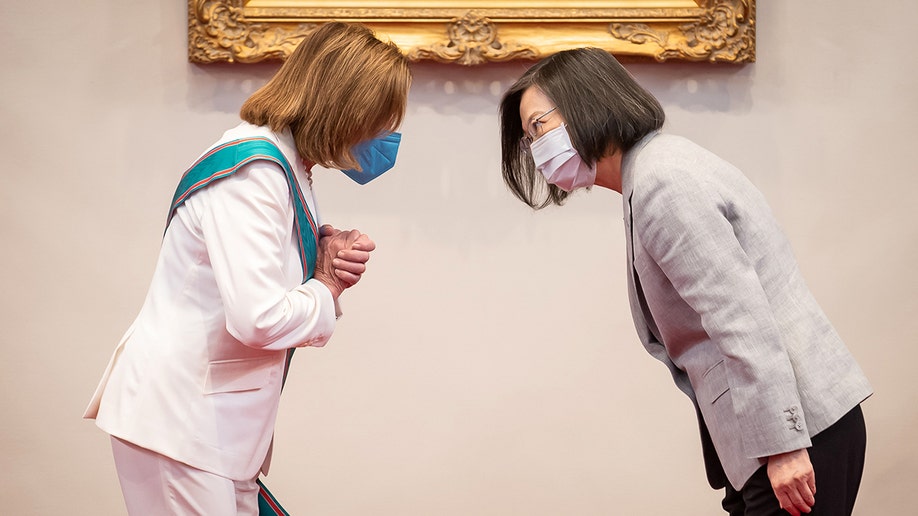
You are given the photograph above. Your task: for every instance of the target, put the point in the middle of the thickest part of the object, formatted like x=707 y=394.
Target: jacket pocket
x=241 y=374
x=713 y=383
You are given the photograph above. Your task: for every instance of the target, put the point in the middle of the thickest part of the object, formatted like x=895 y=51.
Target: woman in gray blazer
x=715 y=291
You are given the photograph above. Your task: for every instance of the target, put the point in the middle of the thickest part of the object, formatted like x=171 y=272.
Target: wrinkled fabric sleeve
x=247 y=226
x=686 y=228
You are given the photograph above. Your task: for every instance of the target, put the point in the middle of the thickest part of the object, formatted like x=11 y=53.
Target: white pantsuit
x=197 y=377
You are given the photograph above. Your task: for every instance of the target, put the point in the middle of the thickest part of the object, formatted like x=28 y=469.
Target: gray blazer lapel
x=638 y=311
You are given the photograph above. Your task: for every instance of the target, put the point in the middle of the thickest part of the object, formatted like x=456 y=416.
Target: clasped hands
x=342 y=258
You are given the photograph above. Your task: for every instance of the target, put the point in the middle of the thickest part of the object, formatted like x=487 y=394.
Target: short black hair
x=605 y=108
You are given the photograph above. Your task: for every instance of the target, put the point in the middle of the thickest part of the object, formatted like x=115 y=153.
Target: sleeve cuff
x=327 y=312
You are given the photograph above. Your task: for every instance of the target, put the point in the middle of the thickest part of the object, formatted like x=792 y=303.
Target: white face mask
x=557 y=160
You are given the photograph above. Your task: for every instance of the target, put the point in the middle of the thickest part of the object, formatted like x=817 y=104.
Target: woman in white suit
x=716 y=294
x=244 y=276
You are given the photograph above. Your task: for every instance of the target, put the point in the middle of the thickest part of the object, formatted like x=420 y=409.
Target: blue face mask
x=375 y=157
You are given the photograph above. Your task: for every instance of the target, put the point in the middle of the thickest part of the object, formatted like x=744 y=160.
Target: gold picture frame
x=472 y=32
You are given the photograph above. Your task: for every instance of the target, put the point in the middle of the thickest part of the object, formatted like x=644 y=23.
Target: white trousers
x=155 y=485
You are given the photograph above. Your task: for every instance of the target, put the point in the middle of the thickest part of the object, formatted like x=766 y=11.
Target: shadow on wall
x=447 y=88
x=699 y=87
x=695 y=87
x=223 y=87
x=455 y=89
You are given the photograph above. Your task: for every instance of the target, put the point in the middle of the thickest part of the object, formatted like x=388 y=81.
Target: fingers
x=350 y=237
x=343 y=242
x=793 y=481
x=798 y=495
x=364 y=243
x=353 y=255
x=354 y=267
x=346 y=252
x=335 y=240
x=328 y=230
x=796 y=500
x=792 y=511
x=348 y=278
x=350 y=265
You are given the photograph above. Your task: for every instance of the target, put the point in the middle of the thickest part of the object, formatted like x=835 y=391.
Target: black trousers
x=837 y=456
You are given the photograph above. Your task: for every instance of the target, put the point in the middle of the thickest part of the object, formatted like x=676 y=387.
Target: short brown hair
x=604 y=107
x=340 y=86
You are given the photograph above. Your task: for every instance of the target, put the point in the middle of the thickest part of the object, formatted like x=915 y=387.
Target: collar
x=628 y=161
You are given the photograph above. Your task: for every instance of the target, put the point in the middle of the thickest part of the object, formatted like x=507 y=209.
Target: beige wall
x=487 y=364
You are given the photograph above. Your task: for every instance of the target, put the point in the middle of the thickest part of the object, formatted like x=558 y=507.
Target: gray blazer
x=717 y=296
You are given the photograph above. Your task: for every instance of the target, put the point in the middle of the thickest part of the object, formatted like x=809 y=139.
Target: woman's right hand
x=342 y=257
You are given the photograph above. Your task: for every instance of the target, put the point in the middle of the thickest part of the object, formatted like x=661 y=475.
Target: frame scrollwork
x=247 y=31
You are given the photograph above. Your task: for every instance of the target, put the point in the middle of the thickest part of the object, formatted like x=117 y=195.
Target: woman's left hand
x=793 y=481
x=350 y=261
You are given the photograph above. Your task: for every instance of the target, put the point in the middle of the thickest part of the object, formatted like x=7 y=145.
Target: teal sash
x=222 y=161
x=267 y=504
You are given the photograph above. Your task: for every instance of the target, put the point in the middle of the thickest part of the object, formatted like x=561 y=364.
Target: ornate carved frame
x=472 y=32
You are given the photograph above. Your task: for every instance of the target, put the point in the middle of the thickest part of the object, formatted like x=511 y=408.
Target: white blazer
x=717 y=296
x=197 y=376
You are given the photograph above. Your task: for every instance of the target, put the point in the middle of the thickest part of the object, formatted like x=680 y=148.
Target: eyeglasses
x=534 y=130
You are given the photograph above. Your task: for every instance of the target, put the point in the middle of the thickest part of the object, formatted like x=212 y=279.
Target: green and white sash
x=223 y=161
